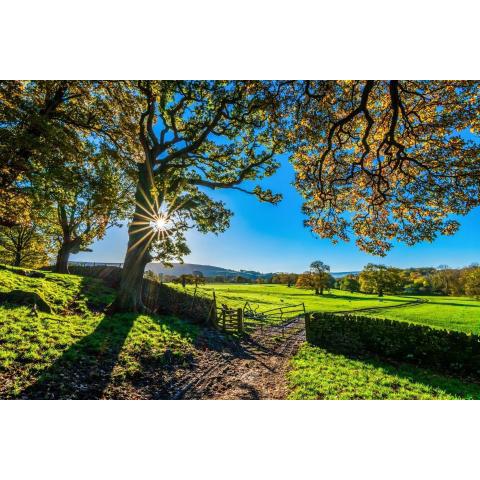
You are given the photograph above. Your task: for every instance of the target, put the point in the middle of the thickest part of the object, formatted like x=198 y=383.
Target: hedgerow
x=454 y=352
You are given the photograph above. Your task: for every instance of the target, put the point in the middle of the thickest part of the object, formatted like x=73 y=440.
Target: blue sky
x=272 y=238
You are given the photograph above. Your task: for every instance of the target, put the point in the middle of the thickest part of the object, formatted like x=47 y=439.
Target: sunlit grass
x=318 y=374
x=75 y=351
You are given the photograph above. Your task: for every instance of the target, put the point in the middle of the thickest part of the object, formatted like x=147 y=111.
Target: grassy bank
x=79 y=352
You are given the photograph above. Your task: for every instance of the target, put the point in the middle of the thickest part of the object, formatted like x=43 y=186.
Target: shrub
x=454 y=352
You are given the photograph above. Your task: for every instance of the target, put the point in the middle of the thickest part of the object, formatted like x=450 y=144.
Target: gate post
x=240 y=320
x=307 y=324
x=224 y=315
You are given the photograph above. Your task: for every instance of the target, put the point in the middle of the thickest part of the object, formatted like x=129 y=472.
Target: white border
x=236 y=39
x=53 y=39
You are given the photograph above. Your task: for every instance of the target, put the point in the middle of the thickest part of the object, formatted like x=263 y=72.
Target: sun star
x=159 y=223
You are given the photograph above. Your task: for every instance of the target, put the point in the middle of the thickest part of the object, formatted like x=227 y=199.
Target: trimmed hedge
x=454 y=352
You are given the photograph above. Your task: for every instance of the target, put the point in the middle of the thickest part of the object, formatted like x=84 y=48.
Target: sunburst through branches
x=154 y=223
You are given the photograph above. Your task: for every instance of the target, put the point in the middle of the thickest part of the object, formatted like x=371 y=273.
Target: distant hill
x=212 y=271
x=207 y=270
x=342 y=274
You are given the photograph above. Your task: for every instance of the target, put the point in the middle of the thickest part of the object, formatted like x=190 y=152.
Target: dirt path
x=253 y=368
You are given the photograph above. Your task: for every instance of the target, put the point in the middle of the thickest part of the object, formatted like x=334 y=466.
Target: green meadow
x=451 y=313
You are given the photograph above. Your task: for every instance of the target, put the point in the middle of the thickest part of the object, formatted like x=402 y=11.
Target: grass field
x=269 y=296
x=76 y=352
x=318 y=374
x=451 y=313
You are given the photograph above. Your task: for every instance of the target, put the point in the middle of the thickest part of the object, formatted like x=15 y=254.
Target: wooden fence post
x=240 y=320
x=224 y=315
x=307 y=325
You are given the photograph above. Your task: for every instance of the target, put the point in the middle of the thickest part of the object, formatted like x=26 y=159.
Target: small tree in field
x=306 y=281
x=313 y=281
x=198 y=277
x=321 y=275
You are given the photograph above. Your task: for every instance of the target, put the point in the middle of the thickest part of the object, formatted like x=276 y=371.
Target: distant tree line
x=382 y=279
x=373 y=279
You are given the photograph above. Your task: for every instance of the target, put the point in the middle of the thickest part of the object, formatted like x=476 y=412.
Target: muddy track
x=251 y=368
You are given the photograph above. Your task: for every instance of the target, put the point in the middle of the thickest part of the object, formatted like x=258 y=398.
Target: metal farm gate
x=276 y=323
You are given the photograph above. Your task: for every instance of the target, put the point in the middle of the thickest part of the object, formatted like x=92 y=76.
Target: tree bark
x=18 y=259
x=61 y=265
x=129 y=296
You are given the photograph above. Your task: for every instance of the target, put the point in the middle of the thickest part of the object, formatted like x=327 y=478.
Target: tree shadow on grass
x=84 y=370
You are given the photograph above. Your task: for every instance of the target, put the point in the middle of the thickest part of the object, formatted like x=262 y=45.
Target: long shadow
x=453 y=304
x=84 y=370
x=459 y=386
x=359 y=299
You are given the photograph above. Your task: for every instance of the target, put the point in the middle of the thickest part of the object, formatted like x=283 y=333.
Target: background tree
x=447 y=281
x=393 y=154
x=198 y=277
x=28 y=243
x=472 y=282
x=89 y=195
x=321 y=275
x=380 y=279
x=25 y=246
x=41 y=117
x=288 y=279
x=195 y=135
x=350 y=283
x=307 y=281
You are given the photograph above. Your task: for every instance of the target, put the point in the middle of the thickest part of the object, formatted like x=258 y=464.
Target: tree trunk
x=129 y=296
x=316 y=291
x=18 y=258
x=321 y=290
x=61 y=266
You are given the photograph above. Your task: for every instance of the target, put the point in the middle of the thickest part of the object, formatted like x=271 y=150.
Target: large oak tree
x=195 y=135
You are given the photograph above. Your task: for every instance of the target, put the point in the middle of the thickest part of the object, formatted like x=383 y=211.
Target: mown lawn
x=318 y=374
x=79 y=352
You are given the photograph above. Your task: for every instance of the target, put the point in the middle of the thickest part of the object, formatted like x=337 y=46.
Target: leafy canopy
x=387 y=160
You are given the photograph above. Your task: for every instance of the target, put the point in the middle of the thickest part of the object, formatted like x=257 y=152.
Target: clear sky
x=272 y=238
